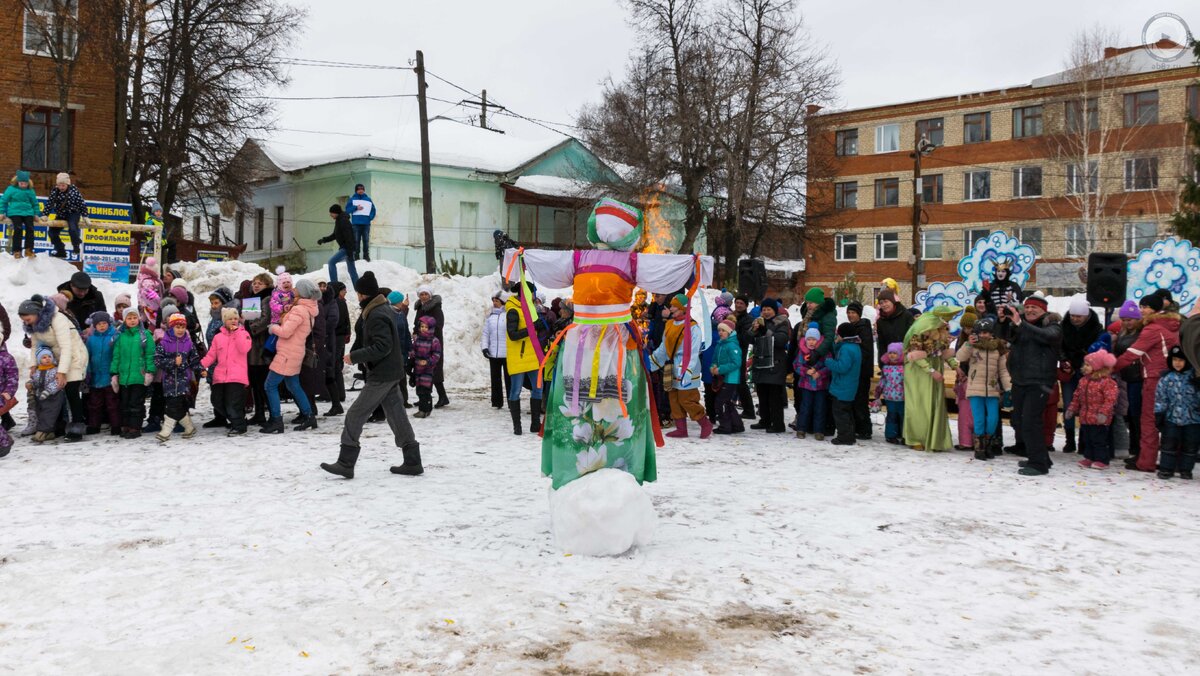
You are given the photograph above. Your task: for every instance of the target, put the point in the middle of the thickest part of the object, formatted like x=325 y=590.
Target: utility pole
x=920 y=148
x=426 y=188
x=483 y=110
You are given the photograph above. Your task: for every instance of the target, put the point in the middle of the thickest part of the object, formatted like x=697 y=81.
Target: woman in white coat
x=49 y=328
x=495 y=349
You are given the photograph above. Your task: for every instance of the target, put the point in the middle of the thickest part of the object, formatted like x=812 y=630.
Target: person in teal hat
x=19 y=204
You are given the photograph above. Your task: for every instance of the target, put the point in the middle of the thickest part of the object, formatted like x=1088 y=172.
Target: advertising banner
x=105 y=252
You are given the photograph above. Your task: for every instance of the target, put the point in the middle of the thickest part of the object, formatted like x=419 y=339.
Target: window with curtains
x=1027 y=122
x=1078 y=241
x=845 y=195
x=847 y=142
x=931 y=245
x=887 y=138
x=977 y=185
x=932 y=129
x=977 y=127
x=1078 y=115
x=887 y=192
x=1141 y=108
x=42 y=139
x=47 y=23
x=1141 y=173
x=1139 y=236
x=1080 y=182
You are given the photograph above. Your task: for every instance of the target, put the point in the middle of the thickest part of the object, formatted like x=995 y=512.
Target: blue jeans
x=362 y=240
x=893 y=425
x=517 y=380
x=294 y=386
x=342 y=255
x=811 y=418
x=986 y=413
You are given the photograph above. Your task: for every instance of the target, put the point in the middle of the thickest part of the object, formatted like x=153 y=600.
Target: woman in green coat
x=927 y=352
x=727 y=365
x=19 y=204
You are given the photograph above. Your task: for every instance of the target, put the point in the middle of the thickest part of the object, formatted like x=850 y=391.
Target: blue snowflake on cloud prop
x=1170 y=264
x=979 y=265
x=954 y=294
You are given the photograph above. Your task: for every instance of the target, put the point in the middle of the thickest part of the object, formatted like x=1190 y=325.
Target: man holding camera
x=1033 y=365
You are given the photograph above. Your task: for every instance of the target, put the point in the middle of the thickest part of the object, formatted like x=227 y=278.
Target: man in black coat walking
x=377 y=348
x=1033 y=365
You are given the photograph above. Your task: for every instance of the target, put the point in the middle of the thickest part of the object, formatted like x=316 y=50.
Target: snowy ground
x=771 y=554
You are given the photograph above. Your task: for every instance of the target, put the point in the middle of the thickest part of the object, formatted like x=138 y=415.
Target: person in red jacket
x=1160 y=334
x=1094 y=403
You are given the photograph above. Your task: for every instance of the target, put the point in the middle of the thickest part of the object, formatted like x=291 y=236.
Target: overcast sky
x=546 y=58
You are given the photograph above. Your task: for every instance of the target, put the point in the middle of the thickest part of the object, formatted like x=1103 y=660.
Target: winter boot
x=154 y=425
x=4 y=450
x=680 y=429
x=995 y=445
x=981 y=444
x=335 y=410
x=306 y=422
x=164 y=430
x=535 y=415
x=273 y=426
x=514 y=408
x=706 y=428
x=31 y=425
x=344 y=467
x=216 y=422
x=189 y=430
x=412 y=461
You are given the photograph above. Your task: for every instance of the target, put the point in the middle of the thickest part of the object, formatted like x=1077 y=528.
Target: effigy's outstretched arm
x=548 y=269
x=668 y=273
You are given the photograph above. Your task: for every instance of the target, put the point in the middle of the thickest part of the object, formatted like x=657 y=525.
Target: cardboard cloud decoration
x=979 y=263
x=953 y=294
x=1171 y=264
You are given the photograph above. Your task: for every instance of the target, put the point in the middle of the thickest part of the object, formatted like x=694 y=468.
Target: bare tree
x=60 y=35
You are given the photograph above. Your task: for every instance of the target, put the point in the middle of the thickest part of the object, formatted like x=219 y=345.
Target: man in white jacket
x=495 y=349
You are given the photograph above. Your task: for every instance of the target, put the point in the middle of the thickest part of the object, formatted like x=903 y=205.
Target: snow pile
x=604 y=513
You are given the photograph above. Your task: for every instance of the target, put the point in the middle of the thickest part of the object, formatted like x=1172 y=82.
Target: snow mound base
x=605 y=513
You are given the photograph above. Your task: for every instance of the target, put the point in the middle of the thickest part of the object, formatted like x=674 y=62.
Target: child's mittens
x=937 y=376
x=116 y=384
x=148 y=378
x=1102 y=419
x=917 y=355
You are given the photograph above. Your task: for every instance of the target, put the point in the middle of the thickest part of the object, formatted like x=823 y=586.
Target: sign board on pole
x=105 y=252
x=212 y=255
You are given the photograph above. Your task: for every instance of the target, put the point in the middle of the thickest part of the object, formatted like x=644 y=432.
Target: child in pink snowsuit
x=283 y=297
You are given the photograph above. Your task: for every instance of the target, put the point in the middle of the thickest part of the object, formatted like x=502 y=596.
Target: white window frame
x=883 y=240
x=927 y=241
x=1132 y=236
x=1019 y=182
x=1077 y=241
x=969 y=238
x=840 y=242
x=1021 y=235
x=882 y=129
x=1131 y=174
x=968 y=181
x=69 y=34
x=1093 y=178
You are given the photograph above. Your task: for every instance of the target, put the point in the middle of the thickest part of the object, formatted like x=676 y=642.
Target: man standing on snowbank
x=362 y=212
x=376 y=347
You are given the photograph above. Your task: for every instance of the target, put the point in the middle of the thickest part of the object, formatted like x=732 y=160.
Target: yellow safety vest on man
x=521 y=358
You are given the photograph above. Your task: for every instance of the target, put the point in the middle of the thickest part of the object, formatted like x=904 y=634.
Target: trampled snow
x=771 y=554
x=604 y=513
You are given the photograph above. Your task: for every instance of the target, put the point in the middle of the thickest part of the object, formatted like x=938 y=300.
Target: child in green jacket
x=132 y=372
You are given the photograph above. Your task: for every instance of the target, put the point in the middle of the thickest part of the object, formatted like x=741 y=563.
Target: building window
x=259 y=228
x=214 y=228
x=1141 y=108
x=932 y=129
x=931 y=189
x=468 y=224
x=1078 y=242
x=977 y=185
x=972 y=237
x=41 y=140
x=931 y=245
x=977 y=127
x=887 y=138
x=1141 y=173
x=1027 y=182
x=1027 y=121
x=845 y=195
x=845 y=247
x=239 y=228
x=416 y=221
x=1139 y=236
x=887 y=246
x=1193 y=102
x=1032 y=237
x=847 y=142
x=887 y=192
x=195 y=228
x=1078 y=184
x=279 y=227
x=1075 y=116
x=49 y=32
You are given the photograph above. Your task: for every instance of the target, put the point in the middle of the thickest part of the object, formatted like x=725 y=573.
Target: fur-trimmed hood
x=44 y=318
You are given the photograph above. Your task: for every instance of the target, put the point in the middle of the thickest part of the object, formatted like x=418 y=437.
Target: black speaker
x=1106 y=279
x=752 y=278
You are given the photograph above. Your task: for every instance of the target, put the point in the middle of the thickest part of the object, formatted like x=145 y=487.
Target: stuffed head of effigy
x=614 y=225
x=602 y=513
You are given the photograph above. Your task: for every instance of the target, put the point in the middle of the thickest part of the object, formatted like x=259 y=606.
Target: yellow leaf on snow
x=303 y=654
x=231 y=640
x=1137 y=497
x=448 y=621
x=249 y=647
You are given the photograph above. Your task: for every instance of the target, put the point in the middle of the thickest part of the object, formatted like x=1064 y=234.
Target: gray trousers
x=369 y=398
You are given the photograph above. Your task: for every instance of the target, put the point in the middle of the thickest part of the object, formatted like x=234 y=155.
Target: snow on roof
x=450 y=144
x=556 y=186
x=1135 y=61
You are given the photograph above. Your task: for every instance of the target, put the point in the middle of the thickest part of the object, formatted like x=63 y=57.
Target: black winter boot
x=981 y=445
x=344 y=467
x=216 y=422
x=335 y=410
x=535 y=415
x=514 y=407
x=273 y=426
x=305 y=422
x=412 y=461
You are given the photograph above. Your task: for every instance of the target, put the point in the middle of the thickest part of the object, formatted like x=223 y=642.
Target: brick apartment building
x=30 y=122
x=1009 y=159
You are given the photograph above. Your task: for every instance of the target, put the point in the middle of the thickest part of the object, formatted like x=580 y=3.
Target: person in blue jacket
x=362 y=212
x=727 y=370
x=845 y=364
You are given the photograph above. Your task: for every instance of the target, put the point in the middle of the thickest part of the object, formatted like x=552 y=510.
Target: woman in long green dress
x=927 y=354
